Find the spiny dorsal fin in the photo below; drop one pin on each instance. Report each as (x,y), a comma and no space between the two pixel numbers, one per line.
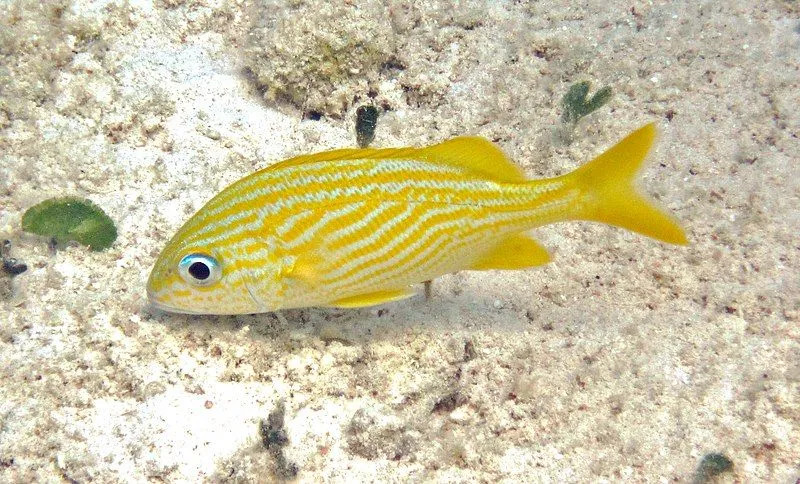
(348,154)
(519,251)
(475,154)
(472,153)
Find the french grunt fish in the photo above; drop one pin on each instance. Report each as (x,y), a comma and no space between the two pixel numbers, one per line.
(357,227)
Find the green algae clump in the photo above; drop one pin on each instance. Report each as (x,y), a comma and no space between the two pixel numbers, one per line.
(576,105)
(366,120)
(711,466)
(71,219)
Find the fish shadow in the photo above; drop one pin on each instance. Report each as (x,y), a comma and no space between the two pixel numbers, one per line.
(467,312)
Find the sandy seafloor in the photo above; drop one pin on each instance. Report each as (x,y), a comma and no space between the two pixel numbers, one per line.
(623,360)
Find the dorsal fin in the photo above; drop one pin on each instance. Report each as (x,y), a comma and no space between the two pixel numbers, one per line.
(348,154)
(471,153)
(475,154)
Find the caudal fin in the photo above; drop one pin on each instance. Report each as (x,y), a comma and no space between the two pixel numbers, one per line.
(609,180)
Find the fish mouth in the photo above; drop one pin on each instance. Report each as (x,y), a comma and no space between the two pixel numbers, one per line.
(155,302)
(159,305)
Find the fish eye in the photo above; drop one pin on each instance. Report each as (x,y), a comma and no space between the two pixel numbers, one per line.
(199,269)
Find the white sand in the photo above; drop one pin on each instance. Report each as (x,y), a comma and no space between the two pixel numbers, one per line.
(624,359)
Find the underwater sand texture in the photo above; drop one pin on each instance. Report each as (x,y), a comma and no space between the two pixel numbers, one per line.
(623,360)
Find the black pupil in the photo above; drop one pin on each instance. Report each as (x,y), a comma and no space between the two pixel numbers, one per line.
(199,270)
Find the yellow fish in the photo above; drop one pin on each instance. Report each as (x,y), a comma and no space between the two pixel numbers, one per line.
(357,227)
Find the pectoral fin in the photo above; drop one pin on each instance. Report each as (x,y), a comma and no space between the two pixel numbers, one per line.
(516,252)
(373,298)
(305,269)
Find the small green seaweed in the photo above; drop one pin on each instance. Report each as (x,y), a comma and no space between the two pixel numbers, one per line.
(71,219)
(710,466)
(576,106)
(366,120)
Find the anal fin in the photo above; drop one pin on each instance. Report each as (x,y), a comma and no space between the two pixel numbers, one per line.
(516,252)
(373,298)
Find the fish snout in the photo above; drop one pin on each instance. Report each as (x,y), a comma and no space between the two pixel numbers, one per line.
(157,302)
(154,301)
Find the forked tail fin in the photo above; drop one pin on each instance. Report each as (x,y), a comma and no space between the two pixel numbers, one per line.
(609,183)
